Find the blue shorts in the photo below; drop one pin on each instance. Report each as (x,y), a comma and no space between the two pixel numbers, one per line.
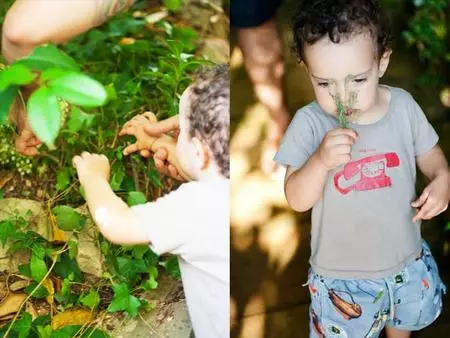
(409,300)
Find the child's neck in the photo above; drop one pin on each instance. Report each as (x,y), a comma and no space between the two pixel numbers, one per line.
(378,110)
(209,174)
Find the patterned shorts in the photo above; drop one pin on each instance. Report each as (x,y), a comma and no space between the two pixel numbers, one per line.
(409,300)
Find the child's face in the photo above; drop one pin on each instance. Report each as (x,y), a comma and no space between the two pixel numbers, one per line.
(347,71)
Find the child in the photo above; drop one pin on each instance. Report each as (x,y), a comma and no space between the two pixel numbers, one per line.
(191,222)
(370,267)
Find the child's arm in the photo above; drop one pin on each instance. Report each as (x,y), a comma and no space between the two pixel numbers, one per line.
(114,218)
(434,198)
(303,187)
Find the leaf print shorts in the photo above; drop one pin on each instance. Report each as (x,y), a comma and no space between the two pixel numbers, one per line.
(409,300)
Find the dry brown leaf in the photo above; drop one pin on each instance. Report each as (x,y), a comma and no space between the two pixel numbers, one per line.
(127,41)
(31,310)
(11,303)
(5,179)
(48,284)
(72,317)
(19,285)
(58,234)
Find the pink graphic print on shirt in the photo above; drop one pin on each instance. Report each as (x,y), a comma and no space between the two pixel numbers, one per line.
(372,171)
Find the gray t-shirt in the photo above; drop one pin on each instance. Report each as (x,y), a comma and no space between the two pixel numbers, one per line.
(193,222)
(362,226)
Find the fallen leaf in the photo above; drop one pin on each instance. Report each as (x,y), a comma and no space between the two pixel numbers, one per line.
(19,285)
(11,303)
(126,41)
(71,317)
(48,284)
(30,309)
(5,179)
(155,17)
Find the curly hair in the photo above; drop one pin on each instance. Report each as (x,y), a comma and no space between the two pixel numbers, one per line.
(209,113)
(339,19)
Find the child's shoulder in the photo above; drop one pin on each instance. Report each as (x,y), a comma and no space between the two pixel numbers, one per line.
(400,95)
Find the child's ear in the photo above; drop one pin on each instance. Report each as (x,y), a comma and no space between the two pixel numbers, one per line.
(384,62)
(201,152)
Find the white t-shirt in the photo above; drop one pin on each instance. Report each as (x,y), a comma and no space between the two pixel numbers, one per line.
(193,223)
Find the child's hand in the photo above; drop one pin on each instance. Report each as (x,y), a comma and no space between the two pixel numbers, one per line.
(434,198)
(135,127)
(91,167)
(336,147)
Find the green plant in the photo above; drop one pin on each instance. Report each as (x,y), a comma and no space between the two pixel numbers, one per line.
(427,31)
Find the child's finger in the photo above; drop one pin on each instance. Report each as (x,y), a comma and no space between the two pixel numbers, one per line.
(421,200)
(150,116)
(161,154)
(130,149)
(76,161)
(426,208)
(172,170)
(145,153)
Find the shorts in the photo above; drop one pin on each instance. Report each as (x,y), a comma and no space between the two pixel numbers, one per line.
(408,300)
(252,13)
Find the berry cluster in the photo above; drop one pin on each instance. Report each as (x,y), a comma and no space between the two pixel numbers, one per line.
(9,157)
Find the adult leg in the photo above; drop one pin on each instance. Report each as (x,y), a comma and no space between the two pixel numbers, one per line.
(263,58)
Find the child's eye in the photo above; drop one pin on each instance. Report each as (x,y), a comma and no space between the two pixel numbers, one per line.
(323,84)
(360,80)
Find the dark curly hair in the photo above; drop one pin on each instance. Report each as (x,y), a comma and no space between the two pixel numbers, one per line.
(339,19)
(209,113)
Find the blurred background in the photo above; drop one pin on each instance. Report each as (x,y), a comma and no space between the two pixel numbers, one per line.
(269,242)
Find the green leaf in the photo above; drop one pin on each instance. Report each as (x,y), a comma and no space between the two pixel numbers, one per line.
(37,263)
(91,300)
(73,249)
(53,74)
(151,283)
(16,75)
(40,293)
(25,270)
(79,89)
(447,227)
(44,115)
(129,268)
(135,198)
(173,5)
(68,267)
(42,320)
(78,118)
(71,330)
(123,301)
(111,91)
(49,56)
(45,331)
(62,179)
(172,267)
(6,230)
(139,251)
(155,177)
(6,100)
(23,325)
(68,219)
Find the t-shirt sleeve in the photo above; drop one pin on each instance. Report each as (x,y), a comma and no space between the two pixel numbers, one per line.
(297,144)
(165,220)
(424,135)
